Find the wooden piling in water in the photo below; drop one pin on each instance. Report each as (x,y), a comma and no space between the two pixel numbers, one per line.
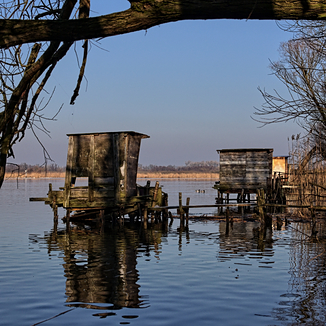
(187,211)
(171,218)
(68,219)
(181,211)
(227,218)
(260,203)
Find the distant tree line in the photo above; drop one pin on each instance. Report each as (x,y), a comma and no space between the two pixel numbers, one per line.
(34,168)
(204,166)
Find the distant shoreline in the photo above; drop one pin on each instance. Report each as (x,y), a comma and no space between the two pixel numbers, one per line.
(174,175)
(140,175)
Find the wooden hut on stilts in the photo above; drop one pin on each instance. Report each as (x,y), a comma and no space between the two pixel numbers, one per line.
(242,172)
(108,161)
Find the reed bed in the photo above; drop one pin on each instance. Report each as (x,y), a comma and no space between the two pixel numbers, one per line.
(307,174)
(143,175)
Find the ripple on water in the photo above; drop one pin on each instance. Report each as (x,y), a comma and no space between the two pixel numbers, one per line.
(203,276)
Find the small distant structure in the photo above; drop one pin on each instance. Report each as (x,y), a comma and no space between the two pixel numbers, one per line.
(243,171)
(108,161)
(281,165)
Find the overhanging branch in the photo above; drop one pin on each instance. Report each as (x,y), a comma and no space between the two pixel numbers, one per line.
(144,14)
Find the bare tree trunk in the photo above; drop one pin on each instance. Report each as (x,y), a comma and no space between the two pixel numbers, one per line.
(3,162)
(16,107)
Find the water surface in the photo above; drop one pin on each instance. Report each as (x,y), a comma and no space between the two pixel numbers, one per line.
(162,275)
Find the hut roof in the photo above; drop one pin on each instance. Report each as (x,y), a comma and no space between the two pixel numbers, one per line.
(245,150)
(111,132)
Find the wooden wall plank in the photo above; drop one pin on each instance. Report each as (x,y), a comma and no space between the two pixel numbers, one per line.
(245,168)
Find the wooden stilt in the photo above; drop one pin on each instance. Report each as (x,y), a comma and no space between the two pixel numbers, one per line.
(148,185)
(55,209)
(227,216)
(181,211)
(68,220)
(155,193)
(171,218)
(187,211)
(260,203)
(166,211)
(145,218)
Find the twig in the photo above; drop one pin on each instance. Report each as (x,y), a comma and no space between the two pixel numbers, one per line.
(316,256)
(306,235)
(61,313)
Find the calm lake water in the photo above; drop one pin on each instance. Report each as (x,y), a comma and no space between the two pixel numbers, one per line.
(158,276)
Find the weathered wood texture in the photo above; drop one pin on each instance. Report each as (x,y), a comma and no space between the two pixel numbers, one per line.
(245,168)
(109,161)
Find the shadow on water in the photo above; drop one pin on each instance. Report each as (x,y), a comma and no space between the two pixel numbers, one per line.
(101,267)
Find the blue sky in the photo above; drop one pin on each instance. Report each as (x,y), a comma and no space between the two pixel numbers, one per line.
(191,86)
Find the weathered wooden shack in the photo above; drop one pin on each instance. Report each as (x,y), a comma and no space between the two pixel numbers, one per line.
(243,171)
(108,161)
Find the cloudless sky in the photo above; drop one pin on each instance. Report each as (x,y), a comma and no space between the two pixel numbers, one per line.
(191,86)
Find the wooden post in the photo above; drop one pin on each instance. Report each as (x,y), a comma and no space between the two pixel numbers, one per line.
(187,211)
(69,165)
(181,211)
(91,169)
(148,185)
(260,203)
(55,209)
(171,218)
(68,220)
(218,197)
(243,197)
(227,216)
(220,212)
(155,193)
(145,218)
(165,211)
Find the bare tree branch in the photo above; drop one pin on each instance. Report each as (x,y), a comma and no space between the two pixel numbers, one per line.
(144,14)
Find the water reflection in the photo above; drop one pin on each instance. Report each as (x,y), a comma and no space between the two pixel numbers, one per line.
(238,240)
(305,299)
(100,267)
